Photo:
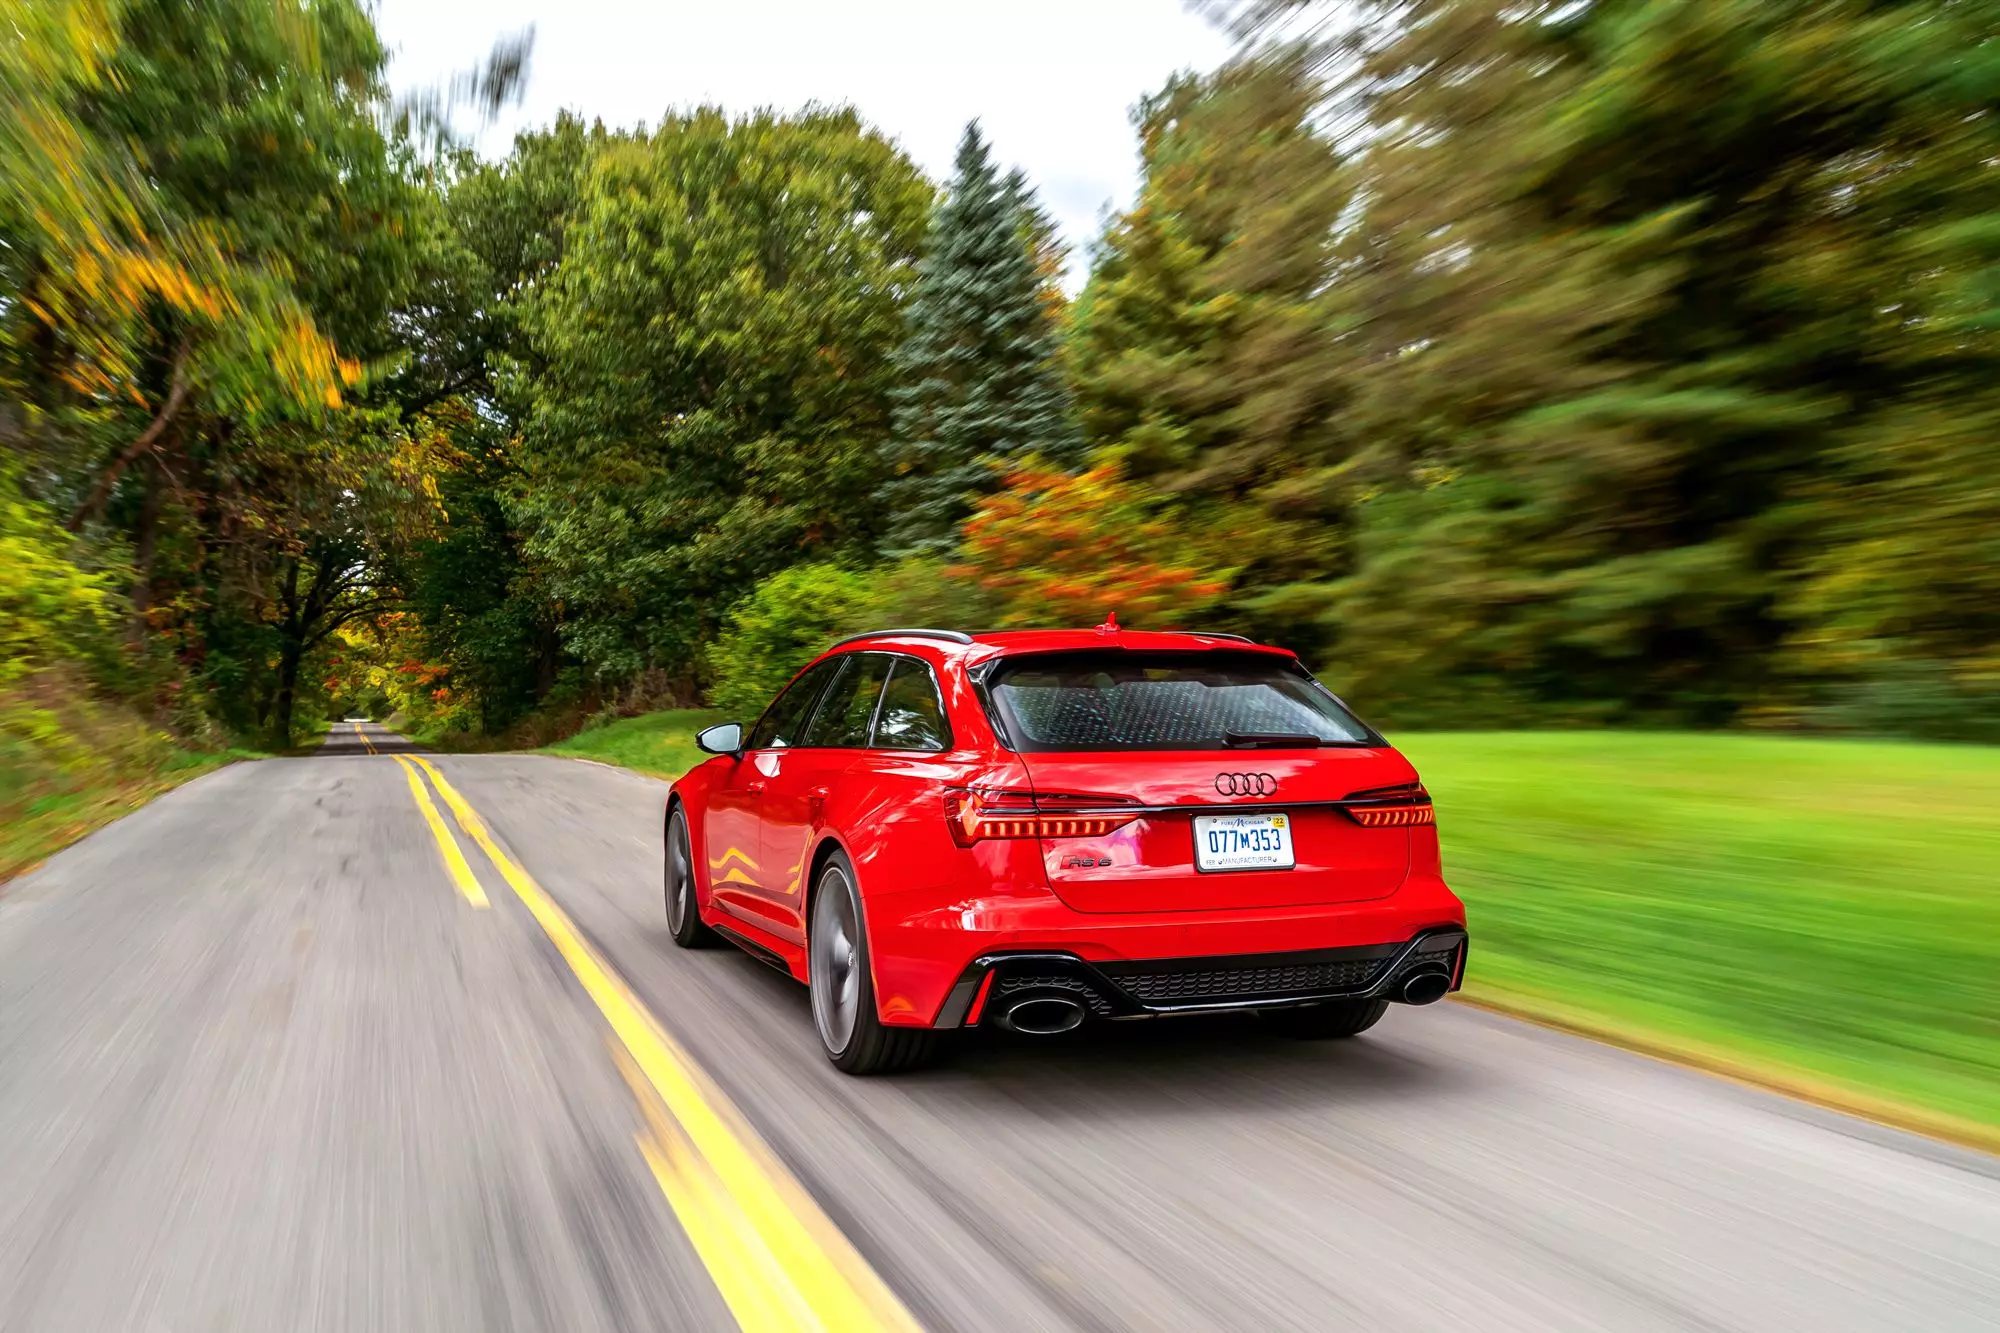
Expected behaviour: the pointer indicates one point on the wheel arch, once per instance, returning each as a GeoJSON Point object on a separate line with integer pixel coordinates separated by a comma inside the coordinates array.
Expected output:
{"type": "Point", "coordinates": [822, 852]}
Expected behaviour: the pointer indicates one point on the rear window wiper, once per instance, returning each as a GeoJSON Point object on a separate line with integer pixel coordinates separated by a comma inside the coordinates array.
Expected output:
{"type": "Point", "coordinates": [1270, 740]}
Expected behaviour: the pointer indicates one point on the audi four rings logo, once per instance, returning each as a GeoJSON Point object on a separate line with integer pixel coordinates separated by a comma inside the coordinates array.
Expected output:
{"type": "Point", "coordinates": [1246, 784]}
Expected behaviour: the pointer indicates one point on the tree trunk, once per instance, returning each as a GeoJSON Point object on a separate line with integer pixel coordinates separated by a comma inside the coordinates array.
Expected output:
{"type": "Point", "coordinates": [177, 388]}
{"type": "Point", "coordinates": [548, 662]}
{"type": "Point", "coordinates": [289, 654]}
{"type": "Point", "coordinates": [144, 542]}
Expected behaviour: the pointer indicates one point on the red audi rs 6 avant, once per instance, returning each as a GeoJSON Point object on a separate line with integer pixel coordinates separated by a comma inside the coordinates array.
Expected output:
{"type": "Point", "coordinates": [1032, 830]}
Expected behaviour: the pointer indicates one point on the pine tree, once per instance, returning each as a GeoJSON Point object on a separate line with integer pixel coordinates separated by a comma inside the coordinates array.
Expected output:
{"type": "Point", "coordinates": [980, 384]}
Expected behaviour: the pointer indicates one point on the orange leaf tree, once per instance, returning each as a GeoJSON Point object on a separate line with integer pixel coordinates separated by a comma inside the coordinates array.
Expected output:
{"type": "Point", "coordinates": [1061, 549]}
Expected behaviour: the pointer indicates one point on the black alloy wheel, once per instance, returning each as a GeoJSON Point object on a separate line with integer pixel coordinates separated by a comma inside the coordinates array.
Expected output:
{"type": "Point", "coordinates": [683, 917]}
{"type": "Point", "coordinates": [843, 991]}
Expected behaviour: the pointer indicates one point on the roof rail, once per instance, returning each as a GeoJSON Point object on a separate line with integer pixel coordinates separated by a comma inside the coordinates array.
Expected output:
{"type": "Point", "coordinates": [949, 635]}
{"type": "Point", "coordinates": [1198, 633]}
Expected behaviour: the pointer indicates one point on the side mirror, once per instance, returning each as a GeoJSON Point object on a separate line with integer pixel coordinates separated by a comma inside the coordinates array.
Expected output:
{"type": "Point", "coordinates": [724, 739]}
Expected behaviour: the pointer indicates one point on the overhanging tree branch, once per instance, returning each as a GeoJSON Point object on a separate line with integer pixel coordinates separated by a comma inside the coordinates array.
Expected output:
{"type": "Point", "coordinates": [348, 615]}
{"type": "Point", "coordinates": [177, 389]}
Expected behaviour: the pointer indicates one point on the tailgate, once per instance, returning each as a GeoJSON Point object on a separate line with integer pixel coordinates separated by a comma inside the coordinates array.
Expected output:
{"type": "Point", "coordinates": [1149, 864]}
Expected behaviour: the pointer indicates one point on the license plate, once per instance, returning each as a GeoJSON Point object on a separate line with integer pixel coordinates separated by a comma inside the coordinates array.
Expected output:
{"type": "Point", "coordinates": [1243, 842]}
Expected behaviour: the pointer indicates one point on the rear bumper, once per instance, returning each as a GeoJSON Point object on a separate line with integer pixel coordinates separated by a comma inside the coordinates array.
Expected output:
{"type": "Point", "coordinates": [1208, 984]}
{"type": "Point", "coordinates": [924, 953]}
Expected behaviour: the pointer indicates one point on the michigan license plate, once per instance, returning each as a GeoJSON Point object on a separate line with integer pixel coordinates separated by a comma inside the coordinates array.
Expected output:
{"type": "Point", "coordinates": [1243, 842]}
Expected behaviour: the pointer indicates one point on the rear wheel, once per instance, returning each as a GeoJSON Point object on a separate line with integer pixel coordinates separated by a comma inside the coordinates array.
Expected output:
{"type": "Point", "coordinates": [683, 916]}
{"type": "Point", "coordinates": [1317, 1022]}
{"type": "Point", "coordinates": [843, 991]}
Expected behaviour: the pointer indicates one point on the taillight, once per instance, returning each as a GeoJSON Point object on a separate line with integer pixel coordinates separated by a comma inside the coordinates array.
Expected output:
{"type": "Point", "coordinates": [1391, 807]}
{"type": "Point", "coordinates": [979, 814]}
{"type": "Point", "coordinates": [1395, 817]}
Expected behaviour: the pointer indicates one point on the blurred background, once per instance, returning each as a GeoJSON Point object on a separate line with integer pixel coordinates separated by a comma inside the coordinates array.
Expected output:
{"type": "Point", "coordinates": [1603, 397]}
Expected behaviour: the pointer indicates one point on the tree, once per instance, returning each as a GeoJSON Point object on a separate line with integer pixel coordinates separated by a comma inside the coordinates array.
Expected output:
{"type": "Point", "coordinates": [979, 380]}
{"type": "Point", "coordinates": [709, 372]}
{"type": "Point", "coordinates": [212, 211]}
{"type": "Point", "coordinates": [485, 626]}
{"type": "Point", "coordinates": [1202, 353]}
{"type": "Point", "coordinates": [792, 616]}
{"type": "Point", "coordinates": [128, 283]}
{"type": "Point", "coordinates": [1056, 550]}
{"type": "Point", "coordinates": [51, 609]}
{"type": "Point", "coordinates": [321, 589]}
{"type": "Point", "coordinates": [212, 317]}
{"type": "Point", "coordinates": [203, 224]}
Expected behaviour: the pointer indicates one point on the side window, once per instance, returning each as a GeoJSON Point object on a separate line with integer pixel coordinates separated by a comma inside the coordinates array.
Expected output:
{"type": "Point", "coordinates": [780, 725]}
{"type": "Point", "coordinates": [849, 707]}
{"type": "Point", "coordinates": [912, 716]}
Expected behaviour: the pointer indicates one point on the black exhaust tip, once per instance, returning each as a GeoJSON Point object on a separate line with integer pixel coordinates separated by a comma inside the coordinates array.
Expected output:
{"type": "Point", "coordinates": [1043, 1015]}
{"type": "Point", "coordinates": [1424, 988]}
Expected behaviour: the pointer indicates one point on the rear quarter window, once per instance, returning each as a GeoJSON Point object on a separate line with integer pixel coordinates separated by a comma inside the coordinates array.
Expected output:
{"type": "Point", "coordinates": [912, 716]}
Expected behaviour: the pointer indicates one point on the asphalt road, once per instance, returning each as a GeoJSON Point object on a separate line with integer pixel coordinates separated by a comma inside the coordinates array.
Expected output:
{"type": "Point", "coordinates": [265, 1065]}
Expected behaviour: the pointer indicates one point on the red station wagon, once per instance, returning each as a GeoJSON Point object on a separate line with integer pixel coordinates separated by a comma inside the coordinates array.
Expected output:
{"type": "Point", "coordinates": [1036, 829]}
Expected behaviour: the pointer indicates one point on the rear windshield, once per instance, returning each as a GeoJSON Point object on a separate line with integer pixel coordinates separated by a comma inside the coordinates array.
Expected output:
{"type": "Point", "coordinates": [1166, 701]}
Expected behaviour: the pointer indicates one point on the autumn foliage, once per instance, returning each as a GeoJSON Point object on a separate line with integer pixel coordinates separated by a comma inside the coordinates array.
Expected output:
{"type": "Point", "coordinates": [1060, 550]}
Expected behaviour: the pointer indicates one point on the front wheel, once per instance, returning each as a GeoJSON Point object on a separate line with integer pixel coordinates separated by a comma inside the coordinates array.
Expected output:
{"type": "Point", "coordinates": [683, 916]}
{"type": "Point", "coordinates": [1319, 1022]}
{"type": "Point", "coordinates": [843, 991]}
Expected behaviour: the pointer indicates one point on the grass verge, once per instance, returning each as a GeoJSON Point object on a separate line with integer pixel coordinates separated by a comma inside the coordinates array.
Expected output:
{"type": "Point", "coordinates": [71, 763]}
{"type": "Point", "coordinates": [661, 744]}
{"type": "Point", "coordinates": [1819, 915]}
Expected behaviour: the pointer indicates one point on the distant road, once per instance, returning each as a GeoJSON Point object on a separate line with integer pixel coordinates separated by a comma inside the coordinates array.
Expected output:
{"type": "Point", "coordinates": [268, 1063]}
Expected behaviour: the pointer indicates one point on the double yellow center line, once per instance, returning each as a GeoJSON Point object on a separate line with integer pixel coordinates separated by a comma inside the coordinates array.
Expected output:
{"type": "Point", "coordinates": [454, 860]}
{"type": "Point", "coordinates": [778, 1260]}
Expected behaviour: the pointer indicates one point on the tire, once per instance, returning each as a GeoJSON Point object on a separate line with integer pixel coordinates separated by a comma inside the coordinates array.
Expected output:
{"type": "Point", "coordinates": [683, 914]}
{"type": "Point", "coordinates": [1319, 1022]}
{"type": "Point", "coordinates": [843, 991]}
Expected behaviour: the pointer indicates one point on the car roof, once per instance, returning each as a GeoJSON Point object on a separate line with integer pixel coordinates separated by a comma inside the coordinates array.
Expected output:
{"type": "Point", "coordinates": [971, 648]}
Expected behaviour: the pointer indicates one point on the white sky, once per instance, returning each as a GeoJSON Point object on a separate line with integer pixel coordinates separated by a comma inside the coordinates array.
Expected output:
{"type": "Point", "coordinates": [1050, 82]}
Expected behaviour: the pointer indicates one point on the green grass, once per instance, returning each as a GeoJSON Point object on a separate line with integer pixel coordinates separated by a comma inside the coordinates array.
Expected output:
{"type": "Point", "coordinates": [1821, 913]}
{"type": "Point", "coordinates": [71, 763]}
{"type": "Point", "coordinates": [658, 743]}
{"type": "Point", "coordinates": [1828, 910]}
